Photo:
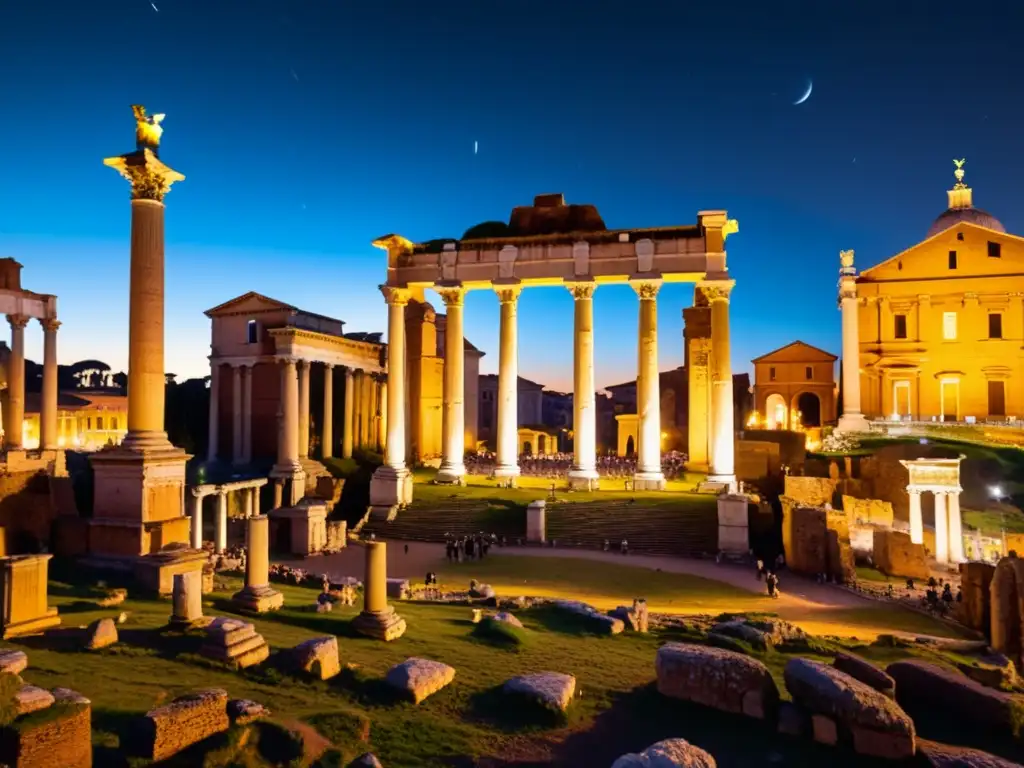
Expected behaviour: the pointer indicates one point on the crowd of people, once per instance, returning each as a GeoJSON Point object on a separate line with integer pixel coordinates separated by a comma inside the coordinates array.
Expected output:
{"type": "Point", "coordinates": [459, 549]}
{"type": "Point", "coordinates": [557, 465]}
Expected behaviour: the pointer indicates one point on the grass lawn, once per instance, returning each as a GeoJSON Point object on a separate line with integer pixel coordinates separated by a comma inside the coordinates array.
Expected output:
{"type": "Point", "coordinates": [991, 522]}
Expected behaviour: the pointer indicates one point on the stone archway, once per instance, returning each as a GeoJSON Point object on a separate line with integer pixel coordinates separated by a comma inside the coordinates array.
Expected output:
{"type": "Point", "coordinates": [776, 412]}
{"type": "Point", "coordinates": [808, 404]}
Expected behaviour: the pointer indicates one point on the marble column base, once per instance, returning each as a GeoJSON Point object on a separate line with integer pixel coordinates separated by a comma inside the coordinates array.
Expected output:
{"type": "Point", "coordinates": [390, 490]}
{"type": "Point", "coordinates": [383, 625]}
{"type": "Point", "coordinates": [451, 474]}
{"type": "Point", "coordinates": [583, 479]}
{"type": "Point", "coordinates": [853, 422]}
{"type": "Point", "coordinates": [727, 482]}
{"type": "Point", "coordinates": [258, 599]}
{"type": "Point", "coordinates": [648, 481]}
{"type": "Point", "coordinates": [507, 476]}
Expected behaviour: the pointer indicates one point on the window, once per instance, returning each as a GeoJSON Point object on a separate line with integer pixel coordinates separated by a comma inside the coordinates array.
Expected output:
{"type": "Point", "coordinates": [994, 250]}
{"type": "Point", "coordinates": [900, 326]}
{"type": "Point", "coordinates": [809, 372]}
{"type": "Point", "coordinates": [960, 236]}
{"type": "Point", "coordinates": [952, 259]}
{"type": "Point", "coordinates": [995, 325]}
{"type": "Point", "coordinates": [771, 374]}
{"type": "Point", "coordinates": [251, 332]}
{"type": "Point", "coordinates": [99, 422]}
{"type": "Point", "coordinates": [949, 326]}
{"type": "Point", "coordinates": [996, 398]}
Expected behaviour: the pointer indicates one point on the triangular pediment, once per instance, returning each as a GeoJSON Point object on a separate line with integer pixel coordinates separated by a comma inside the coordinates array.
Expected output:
{"type": "Point", "coordinates": [797, 352]}
{"type": "Point", "coordinates": [249, 303]}
{"type": "Point", "coordinates": [930, 258]}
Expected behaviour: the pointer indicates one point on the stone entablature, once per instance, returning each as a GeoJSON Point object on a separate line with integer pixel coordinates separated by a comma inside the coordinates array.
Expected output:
{"type": "Point", "coordinates": [326, 348]}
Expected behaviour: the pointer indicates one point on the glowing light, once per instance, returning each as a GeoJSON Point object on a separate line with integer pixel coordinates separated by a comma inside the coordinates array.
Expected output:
{"type": "Point", "coordinates": [996, 491]}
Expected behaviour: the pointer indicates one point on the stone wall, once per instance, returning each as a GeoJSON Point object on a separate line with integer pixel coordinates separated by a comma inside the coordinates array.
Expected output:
{"type": "Point", "coordinates": [804, 537]}
{"type": "Point", "coordinates": [27, 511]}
{"type": "Point", "coordinates": [1006, 593]}
{"type": "Point", "coordinates": [811, 491]}
{"type": "Point", "coordinates": [185, 721]}
{"type": "Point", "coordinates": [976, 608]}
{"type": "Point", "coordinates": [896, 555]}
{"type": "Point", "coordinates": [756, 459]}
{"type": "Point", "coordinates": [868, 511]}
{"type": "Point", "coordinates": [58, 736]}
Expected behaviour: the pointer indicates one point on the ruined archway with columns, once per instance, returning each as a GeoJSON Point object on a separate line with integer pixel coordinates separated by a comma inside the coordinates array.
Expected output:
{"type": "Point", "coordinates": [940, 477]}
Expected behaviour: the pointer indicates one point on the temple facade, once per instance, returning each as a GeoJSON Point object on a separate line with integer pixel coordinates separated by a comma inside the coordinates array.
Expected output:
{"type": "Point", "coordinates": [938, 329]}
{"type": "Point", "coordinates": [795, 386]}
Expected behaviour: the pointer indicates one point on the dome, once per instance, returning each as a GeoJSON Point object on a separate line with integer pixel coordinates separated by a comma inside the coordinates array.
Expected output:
{"type": "Point", "coordinates": [953, 216]}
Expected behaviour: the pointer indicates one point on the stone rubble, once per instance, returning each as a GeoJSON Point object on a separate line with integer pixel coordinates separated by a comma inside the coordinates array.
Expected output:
{"type": "Point", "coordinates": [244, 711]}
{"type": "Point", "coordinates": [185, 721]}
{"type": "Point", "coordinates": [14, 662]}
{"type": "Point", "coordinates": [419, 678]}
{"type": "Point", "coordinates": [718, 678]}
{"type": "Point", "coordinates": [670, 753]}
{"type": "Point", "coordinates": [235, 642]}
{"type": "Point", "coordinates": [552, 690]}
{"type": "Point", "coordinates": [318, 657]}
{"type": "Point", "coordinates": [100, 634]}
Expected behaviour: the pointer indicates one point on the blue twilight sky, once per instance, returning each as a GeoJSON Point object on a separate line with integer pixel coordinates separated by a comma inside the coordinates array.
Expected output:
{"type": "Point", "coordinates": [306, 128]}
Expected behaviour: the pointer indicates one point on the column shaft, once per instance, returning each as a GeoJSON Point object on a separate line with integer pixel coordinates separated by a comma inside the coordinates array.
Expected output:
{"type": "Point", "coordinates": [453, 416]}
{"type": "Point", "coordinates": [395, 449]}
{"type": "Point", "coordinates": [382, 421]}
{"type": "Point", "coordinates": [327, 430]}
{"type": "Point", "coordinates": [16, 383]}
{"type": "Point", "coordinates": [221, 542]}
{"type": "Point", "coordinates": [288, 453]}
{"type": "Point", "coordinates": [346, 434]}
{"type": "Point", "coordinates": [197, 522]}
{"type": "Point", "coordinates": [852, 419]}
{"type": "Point", "coordinates": [723, 445]}
{"type": "Point", "coordinates": [648, 389]}
{"type": "Point", "coordinates": [583, 473]}
{"type": "Point", "coordinates": [48, 434]}
{"type": "Point", "coordinates": [214, 434]}
{"type": "Point", "coordinates": [247, 371]}
{"type": "Point", "coordinates": [956, 532]}
{"type": "Point", "coordinates": [236, 414]}
{"type": "Point", "coordinates": [303, 406]}
{"type": "Point", "coordinates": [916, 520]}
{"type": "Point", "coordinates": [376, 584]}
{"type": "Point", "coordinates": [941, 529]}
{"type": "Point", "coordinates": [508, 382]}
{"type": "Point", "coordinates": [257, 551]}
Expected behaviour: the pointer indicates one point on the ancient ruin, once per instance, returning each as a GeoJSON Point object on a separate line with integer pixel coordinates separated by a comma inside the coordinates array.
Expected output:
{"type": "Point", "coordinates": [378, 619]}
{"type": "Point", "coordinates": [941, 477]}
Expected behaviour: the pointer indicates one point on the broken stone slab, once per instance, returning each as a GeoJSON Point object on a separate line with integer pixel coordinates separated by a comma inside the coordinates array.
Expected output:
{"type": "Point", "coordinates": [318, 657]}
{"type": "Point", "coordinates": [185, 721]}
{"type": "Point", "coordinates": [601, 622]}
{"type": "Point", "coordinates": [634, 618]}
{"type": "Point", "coordinates": [507, 618]}
{"type": "Point", "coordinates": [992, 670]}
{"type": "Point", "coordinates": [368, 760]}
{"type": "Point", "coordinates": [14, 662]}
{"type": "Point", "coordinates": [419, 678]}
{"type": "Point", "coordinates": [243, 711]}
{"type": "Point", "coordinates": [866, 672]}
{"type": "Point", "coordinates": [670, 753]}
{"type": "Point", "coordinates": [32, 698]}
{"type": "Point", "coordinates": [939, 755]}
{"type": "Point", "coordinates": [880, 728]}
{"type": "Point", "coordinates": [552, 690]}
{"type": "Point", "coordinates": [718, 678]}
{"type": "Point", "coordinates": [762, 634]}
{"type": "Point", "coordinates": [100, 634]}
{"type": "Point", "coordinates": [58, 738]}
{"type": "Point", "coordinates": [68, 696]}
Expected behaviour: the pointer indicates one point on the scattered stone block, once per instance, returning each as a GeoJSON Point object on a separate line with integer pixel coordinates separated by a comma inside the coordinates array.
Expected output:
{"type": "Point", "coordinates": [975, 608]}
{"type": "Point", "coordinates": [670, 753]}
{"type": "Point", "coordinates": [68, 696]}
{"type": "Point", "coordinates": [481, 591]}
{"type": "Point", "coordinates": [187, 599]}
{"type": "Point", "coordinates": [244, 711]}
{"type": "Point", "coordinates": [507, 618]}
{"type": "Point", "coordinates": [57, 738]}
{"type": "Point", "coordinates": [113, 598]}
{"type": "Point", "coordinates": [939, 755]}
{"type": "Point", "coordinates": [791, 720]}
{"type": "Point", "coordinates": [552, 690]}
{"type": "Point", "coordinates": [12, 661]}
{"type": "Point", "coordinates": [420, 678]}
{"type": "Point", "coordinates": [368, 760]}
{"type": "Point", "coordinates": [718, 678]}
{"type": "Point", "coordinates": [895, 554]}
{"type": "Point", "coordinates": [234, 642]}
{"type": "Point", "coordinates": [878, 725]}
{"type": "Point", "coordinates": [634, 617]}
{"type": "Point", "coordinates": [399, 589]}
{"type": "Point", "coordinates": [824, 730]}
{"type": "Point", "coordinates": [318, 657]}
{"type": "Point", "coordinates": [866, 672]}
{"type": "Point", "coordinates": [600, 622]}
{"type": "Point", "coordinates": [921, 686]}
{"type": "Point", "coordinates": [32, 698]}
{"type": "Point", "coordinates": [100, 634]}
{"type": "Point", "coordinates": [185, 721]}
{"type": "Point", "coordinates": [23, 596]}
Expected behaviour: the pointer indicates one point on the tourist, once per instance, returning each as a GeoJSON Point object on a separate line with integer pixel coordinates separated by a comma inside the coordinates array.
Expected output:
{"type": "Point", "coordinates": [624, 547]}
{"type": "Point", "coordinates": [770, 582]}
{"type": "Point", "coordinates": [959, 593]}
{"type": "Point", "coordinates": [606, 546]}
{"type": "Point", "coordinates": [760, 569]}
{"type": "Point", "coordinates": [407, 549]}
{"type": "Point", "coordinates": [947, 594]}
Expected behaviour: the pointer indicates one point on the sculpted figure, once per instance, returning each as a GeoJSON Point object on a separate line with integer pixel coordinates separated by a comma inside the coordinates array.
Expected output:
{"type": "Point", "coordinates": [147, 129]}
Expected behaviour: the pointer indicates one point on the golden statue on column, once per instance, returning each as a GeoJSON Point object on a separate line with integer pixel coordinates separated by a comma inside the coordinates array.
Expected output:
{"type": "Point", "coordinates": [147, 129]}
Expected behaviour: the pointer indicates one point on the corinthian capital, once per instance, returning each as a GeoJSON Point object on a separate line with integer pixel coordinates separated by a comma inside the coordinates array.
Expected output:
{"type": "Point", "coordinates": [647, 288]}
{"type": "Point", "coordinates": [50, 324]}
{"type": "Point", "coordinates": [583, 289]}
{"type": "Point", "coordinates": [508, 293]}
{"type": "Point", "coordinates": [451, 295]}
{"type": "Point", "coordinates": [17, 321]}
{"type": "Point", "coordinates": [717, 290]}
{"type": "Point", "coordinates": [395, 296]}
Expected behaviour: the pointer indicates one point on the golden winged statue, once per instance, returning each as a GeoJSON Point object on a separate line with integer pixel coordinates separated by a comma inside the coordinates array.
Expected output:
{"type": "Point", "coordinates": [846, 259]}
{"type": "Point", "coordinates": [959, 172]}
{"type": "Point", "coordinates": [147, 129]}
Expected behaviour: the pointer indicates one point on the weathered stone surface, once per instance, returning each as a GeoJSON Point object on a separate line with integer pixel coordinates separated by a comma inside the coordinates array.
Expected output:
{"type": "Point", "coordinates": [12, 661]}
{"type": "Point", "coordinates": [482, 591]}
{"type": "Point", "coordinates": [242, 711]}
{"type": "Point", "coordinates": [824, 730]}
{"type": "Point", "coordinates": [947, 756]}
{"type": "Point", "coordinates": [894, 554]}
{"type": "Point", "coordinates": [59, 739]}
{"type": "Point", "coordinates": [716, 678]}
{"type": "Point", "coordinates": [419, 678]}
{"type": "Point", "coordinates": [399, 589]}
{"type": "Point", "coordinates": [600, 622]}
{"type": "Point", "coordinates": [814, 491]}
{"type": "Point", "coordinates": [553, 690]}
{"type": "Point", "coordinates": [762, 634]}
{"type": "Point", "coordinates": [866, 672]}
{"type": "Point", "coordinates": [919, 686]}
{"type": "Point", "coordinates": [635, 617]}
{"type": "Point", "coordinates": [234, 642]}
{"type": "Point", "coordinates": [68, 696]}
{"type": "Point", "coordinates": [507, 618]}
{"type": "Point", "coordinates": [805, 538]}
{"type": "Point", "coordinates": [100, 634]}
{"type": "Point", "coordinates": [185, 721]}
{"type": "Point", "coordinates": [318, 657]}
{"type": "Point", "coordinates": [1007, 594]}
{"type": "Point", "coordinates": [670, 753]}
{"type": "Point", "coordinates": [792, 721]}
{"type": "Point", "coordinates": [879, 727]}
{"type": "Point", "coordinates": [868, 511]}
{"type": "Point", "coordinates": [992, 670]}
{"type": "Point", "coordinates": [975, 609]}
{"type": "Point", "coordinates": [32, 698]}
{"type": "Point", "coordinates": [368, 760]}
{"type": "Point", "coordinates": [114, 597]}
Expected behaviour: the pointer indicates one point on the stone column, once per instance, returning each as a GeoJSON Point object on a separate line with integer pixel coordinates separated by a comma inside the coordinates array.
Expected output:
{"type": "Point", "coordinates": [288, 449]}
{"type": "Point", "coordinates": [366, 407]}
{"type": "Point", "coordinates": [508, 383]}
{"type": "Point", "coordinates": [250, 502]}
{"type": "Point", "coordinates": [697, 353]}
{"type": "Point", "coordinates": [257, 594]}
{"type": "Point", "coordinates": [916, 521]}
{"type": "Point", "coordinates": [303, 409]}
{"type": "Point", "coordinates": [48, 433]}
{"type": "Point", "coordinates": [723, 445]}
{"type": "Point", "coordinates": [378, 619]}
{"type": "Point", "coordinates": [648, 390]}
{"type": "Point", "coordinates": [327, 431]}
{"type": "Point", "coordinates": [346, 434]}
{"type": "Point", "coordinates": [197, 521]}
{"type": "Point", "coordinates": [16, 383]}
{"type": "Point", "coordinates": [247, 371]}
{"type": "Point", "coordinates": [382, 421]}
{"type": "Point", "coordinates": [221, 540]}
{"type": "Point", "coordinates": [278, 501]}
{"type": "Point", "coordinates": [214, 433]}
{"type": "Point", "coordinates": [453, 433]}
{"type": "Point", "coordinates": [851, 420]}
{"type": "Point", "coordinates": [941, 529]}
{"type": "Point", "coordinates": [236, 414]}
{"type": "Point", "coordinates": [956, 530]}
{"type": "Point", "coordinates": [583, 473]}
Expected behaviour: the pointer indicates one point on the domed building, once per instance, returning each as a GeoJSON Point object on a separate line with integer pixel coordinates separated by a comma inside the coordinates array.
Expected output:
{"type": "Point", "coordinates": [941, 325]}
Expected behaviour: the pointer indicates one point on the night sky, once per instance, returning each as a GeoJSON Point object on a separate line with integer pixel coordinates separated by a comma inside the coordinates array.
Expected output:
{"type": "Point", "coordinates": [306, 128]}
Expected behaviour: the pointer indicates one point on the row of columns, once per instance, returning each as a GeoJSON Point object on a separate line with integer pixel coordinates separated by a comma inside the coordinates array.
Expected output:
{"type": "Point", "coordinates": [583, 472]}
{"type": "Point", "coordinates": [14, 414]}
{"type": "Point", "coordinates": [949, 539]}
{"type": "Point", "coordinates": [250, 491]}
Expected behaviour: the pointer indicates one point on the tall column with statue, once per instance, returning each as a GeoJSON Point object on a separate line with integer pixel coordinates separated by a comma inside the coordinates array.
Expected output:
{"type": "Point", "coordinates": [851, 420]}
{"type": "Point", "coordinates": [139, 485]}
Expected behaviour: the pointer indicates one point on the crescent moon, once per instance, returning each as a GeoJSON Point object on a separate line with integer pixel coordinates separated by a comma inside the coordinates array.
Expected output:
{"type": "Point", "coordinates": [807, 94]}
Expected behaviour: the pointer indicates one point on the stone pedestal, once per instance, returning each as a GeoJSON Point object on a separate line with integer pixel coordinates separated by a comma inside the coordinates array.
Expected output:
{"type": "Point", "coordinates": [257, 594]}
{"type": "Point", "coordinates": [390, 490]}
{"type": "Point", "coordinates": [733, 525]}
{"type": "Point", "coordinates": [23, 597]}
{"type": "Point", "coordinates": [187, 598]}
{"type": "Point", "coordinates": [156, 572]}
{"type": "Point", "coordinates": [307, 527]}
{"type": "Point", "coordinates": [536, 521]}
{"type": "Point", "coordinates": [378, 619]}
